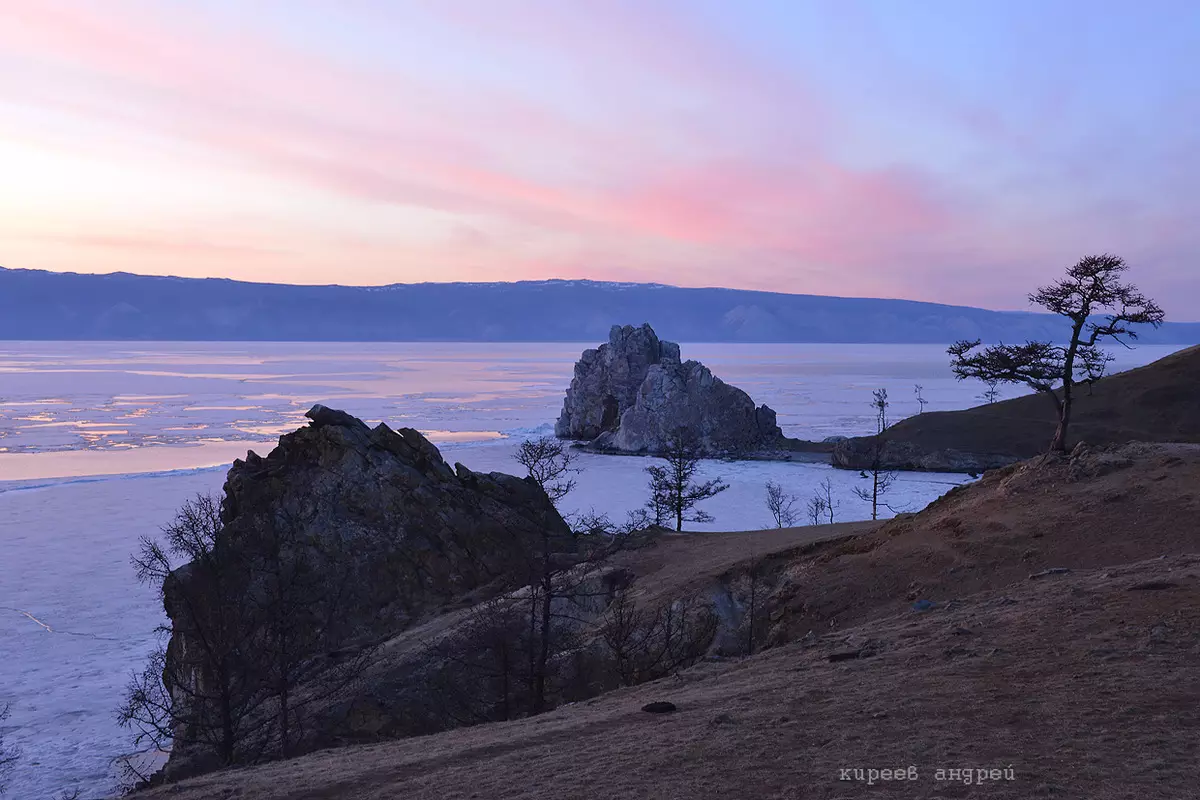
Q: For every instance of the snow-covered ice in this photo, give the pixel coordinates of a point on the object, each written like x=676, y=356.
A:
x=101, y=442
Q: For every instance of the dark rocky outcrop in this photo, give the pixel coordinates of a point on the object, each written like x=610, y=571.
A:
x=1155, y=403
x=421, y=532
x=391, y=535
x=631, y=394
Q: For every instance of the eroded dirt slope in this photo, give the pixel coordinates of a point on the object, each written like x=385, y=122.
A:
x=1086, y=684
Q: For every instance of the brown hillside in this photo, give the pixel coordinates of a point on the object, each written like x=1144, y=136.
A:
x=1084, y=687
x=1155, y=403
x=1086, y=682
x=1097, y=508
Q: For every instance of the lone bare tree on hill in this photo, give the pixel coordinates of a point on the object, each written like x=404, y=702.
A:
x=1098, y=304
x=674, y=490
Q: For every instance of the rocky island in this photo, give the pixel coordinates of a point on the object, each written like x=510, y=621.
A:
x=632, y=393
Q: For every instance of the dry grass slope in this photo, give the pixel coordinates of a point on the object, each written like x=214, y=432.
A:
x=1086, y=682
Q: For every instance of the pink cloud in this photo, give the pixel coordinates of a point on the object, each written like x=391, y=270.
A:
x=678, y=155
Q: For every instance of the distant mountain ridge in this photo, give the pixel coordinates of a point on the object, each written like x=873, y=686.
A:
x=41, y=305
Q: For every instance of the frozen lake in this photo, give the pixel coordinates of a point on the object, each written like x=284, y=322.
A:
x=101, y=442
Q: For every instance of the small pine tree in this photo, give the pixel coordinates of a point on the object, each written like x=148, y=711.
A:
x=674, y=490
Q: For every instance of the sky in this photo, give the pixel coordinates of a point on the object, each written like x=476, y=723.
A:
x=959, y=152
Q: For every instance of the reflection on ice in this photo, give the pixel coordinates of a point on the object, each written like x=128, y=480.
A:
x=127, y=459
x=462, y=436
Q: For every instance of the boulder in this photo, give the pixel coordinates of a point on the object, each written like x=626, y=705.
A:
x=632, y=394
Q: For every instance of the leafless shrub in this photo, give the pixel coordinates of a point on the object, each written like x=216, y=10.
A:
x=781, y=505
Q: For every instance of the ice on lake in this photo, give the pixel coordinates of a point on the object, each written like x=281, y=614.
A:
x=101, y=442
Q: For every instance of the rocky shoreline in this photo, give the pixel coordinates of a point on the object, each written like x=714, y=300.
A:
x=799, y=450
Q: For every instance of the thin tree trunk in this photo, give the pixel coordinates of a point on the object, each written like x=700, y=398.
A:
x=284, y=688
x=753, y=601
x=227, y=737
x=504, y=672
x=875, y=494
x=1059, y=443
x=531, y=682
x=544, y=644
x=284, y=725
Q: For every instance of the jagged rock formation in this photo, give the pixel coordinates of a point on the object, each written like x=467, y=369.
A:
x=377, y=526
x=631, y=394
x=607, y=380
x=423, y=533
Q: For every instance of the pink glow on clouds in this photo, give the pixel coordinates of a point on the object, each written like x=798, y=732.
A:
x=662, y=149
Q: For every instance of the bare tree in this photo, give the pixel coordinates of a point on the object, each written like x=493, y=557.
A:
x=8, y=753
x=208, y=694
x=815, y=510
x=483, y=676
x=921, y=401
x=649, y=643
x=674, y=490
x=991, y=393
x=881, y=479
x=752, y=609
x=550, y=463
x=822, y=506
x=252, y=619
x=301, y=587
x=781, y=504
x=1091, y=288
x=825, y=490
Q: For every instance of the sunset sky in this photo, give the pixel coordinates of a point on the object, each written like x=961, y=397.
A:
x=938, y=150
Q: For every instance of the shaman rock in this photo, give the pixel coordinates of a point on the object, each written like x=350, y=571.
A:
x=631, y=394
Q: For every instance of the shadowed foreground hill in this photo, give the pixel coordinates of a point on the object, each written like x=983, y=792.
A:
x=1060, y=637
x=1155, y=403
